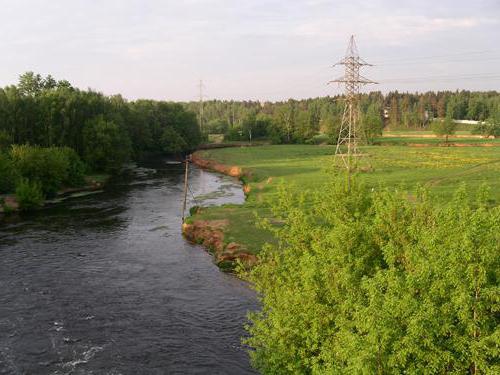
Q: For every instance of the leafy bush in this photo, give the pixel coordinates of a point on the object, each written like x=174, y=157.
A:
x=372, y=282
x=52, y=167
x=318, y=139
x=29, y=194
x=44, y=166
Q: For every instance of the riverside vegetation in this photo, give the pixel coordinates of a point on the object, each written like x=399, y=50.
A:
x=54, y=136
x=385, y=278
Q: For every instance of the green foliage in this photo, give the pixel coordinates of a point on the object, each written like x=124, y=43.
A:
x=51, y=167
x=172, y=142
x=29, y=194
x=367, y=282
x=296, y=121
x=106, y=145
x=76, y=169
x=490, y=127
x=5, y=140
x=444, y=127
x=8, y=174
x=318, y=139
x=371, y=123
x=235, y=134
x=46, y=167
x=45, y=112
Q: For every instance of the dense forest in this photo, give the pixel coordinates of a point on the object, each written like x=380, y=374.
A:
x=52, y=133
x=310, y=120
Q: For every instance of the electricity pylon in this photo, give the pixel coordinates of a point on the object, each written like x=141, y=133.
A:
x=348, y=139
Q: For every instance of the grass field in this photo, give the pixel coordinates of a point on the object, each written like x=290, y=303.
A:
x=305, y=168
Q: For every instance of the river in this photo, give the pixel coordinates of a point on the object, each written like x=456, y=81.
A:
x=106, y=284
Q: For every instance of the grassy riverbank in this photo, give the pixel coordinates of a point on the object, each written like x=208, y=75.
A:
x=302, y=168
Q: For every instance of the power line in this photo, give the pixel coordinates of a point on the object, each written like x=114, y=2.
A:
x=488, y=76
x=438, y=62
x=406, y=59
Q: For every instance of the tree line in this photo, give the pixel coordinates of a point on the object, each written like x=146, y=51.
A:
x=54, y=121
x=318, y=119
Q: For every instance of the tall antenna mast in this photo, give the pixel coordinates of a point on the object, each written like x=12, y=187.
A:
x=348, y=139
x=200, y=109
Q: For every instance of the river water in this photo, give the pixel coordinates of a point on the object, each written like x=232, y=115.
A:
x=106, y=284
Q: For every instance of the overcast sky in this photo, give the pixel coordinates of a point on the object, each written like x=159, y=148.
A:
x=250, y=49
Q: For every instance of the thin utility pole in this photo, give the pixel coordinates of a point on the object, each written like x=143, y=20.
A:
x=200, y=109
x=185, y=189
x=348, y=139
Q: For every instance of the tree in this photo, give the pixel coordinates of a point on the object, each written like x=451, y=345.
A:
x=248, y=125
x=444, y=127
x=394, y=114
x=30, y=84
x=490, y=127
x=106, y=145
x=8, y=174
x=364, y=282
x=172, y=142
x=371, y=123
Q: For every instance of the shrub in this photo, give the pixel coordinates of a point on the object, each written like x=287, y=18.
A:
x=372, y=282
x=46, y=166
x=52, y=167
x=29, y=195
x=318, y=139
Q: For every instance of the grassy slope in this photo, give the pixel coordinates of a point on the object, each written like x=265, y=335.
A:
x=305, y=167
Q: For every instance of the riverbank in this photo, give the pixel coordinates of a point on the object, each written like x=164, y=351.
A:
x=94, y=183
x=211, y=233
x=305, y=168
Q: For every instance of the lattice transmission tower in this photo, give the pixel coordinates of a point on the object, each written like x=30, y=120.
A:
x=348, y=139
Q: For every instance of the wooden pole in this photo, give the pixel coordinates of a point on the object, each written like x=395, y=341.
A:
x=185, y=189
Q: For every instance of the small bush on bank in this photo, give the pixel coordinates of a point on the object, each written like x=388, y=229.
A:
x=29, y=194
x=51, y=167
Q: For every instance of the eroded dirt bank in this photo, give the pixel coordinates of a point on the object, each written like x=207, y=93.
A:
x=210, y=233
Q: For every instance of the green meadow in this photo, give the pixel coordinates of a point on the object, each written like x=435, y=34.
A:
x=304, y=168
